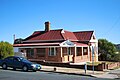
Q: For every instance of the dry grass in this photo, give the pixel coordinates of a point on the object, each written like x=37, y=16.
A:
x=95, y=63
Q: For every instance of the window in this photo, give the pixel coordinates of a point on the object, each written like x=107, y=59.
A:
x=79, y=51
x=38, y=50
x=52, y=51
x=64, y=50
x=30, y=52
x=41, y=52
x=85, y=52
x=16, y=59
x=10, y=58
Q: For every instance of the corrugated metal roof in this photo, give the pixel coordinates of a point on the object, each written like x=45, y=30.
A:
x=84, y=35
x=69, y=36
x=36, y=33
x=50, y=35
x=60, y=35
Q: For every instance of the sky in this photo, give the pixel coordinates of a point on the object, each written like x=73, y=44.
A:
x=23, y=17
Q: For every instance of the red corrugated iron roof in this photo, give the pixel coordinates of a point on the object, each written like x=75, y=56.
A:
x=50, y=35
x=36, y=33
x=59, y=35
x=69, y=36
x=84, y=35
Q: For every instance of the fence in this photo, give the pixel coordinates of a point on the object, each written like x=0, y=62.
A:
x=99, y=67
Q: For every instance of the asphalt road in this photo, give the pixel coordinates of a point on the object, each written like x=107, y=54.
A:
x=39, y=75
x=116, y=72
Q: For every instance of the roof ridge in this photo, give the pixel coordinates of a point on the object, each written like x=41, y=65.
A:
x=57, y=29
x=65, y=34
x=50, y=30
x=68, y=31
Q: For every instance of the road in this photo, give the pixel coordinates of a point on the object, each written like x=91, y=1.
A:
x=39, y=75
x=116, y=72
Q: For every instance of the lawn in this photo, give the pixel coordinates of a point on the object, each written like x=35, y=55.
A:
x=95, y=63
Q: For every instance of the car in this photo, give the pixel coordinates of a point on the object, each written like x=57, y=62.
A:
x=19, y=62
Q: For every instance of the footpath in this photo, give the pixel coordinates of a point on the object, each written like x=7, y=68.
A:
x=75, y=71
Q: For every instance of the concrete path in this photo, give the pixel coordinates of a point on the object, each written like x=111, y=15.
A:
x=106, y=75
x=99, y=74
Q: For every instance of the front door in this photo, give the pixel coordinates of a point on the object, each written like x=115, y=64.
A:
x=69, y=51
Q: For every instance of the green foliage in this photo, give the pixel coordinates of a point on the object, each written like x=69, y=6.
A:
x=106, y=50
x=116, y=57
x=6, y=49
x=117, y=47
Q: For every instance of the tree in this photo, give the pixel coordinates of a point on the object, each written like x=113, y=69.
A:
x=106, y=50
x=6, y=49
x=116, y=57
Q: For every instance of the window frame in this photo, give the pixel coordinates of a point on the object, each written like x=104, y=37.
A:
x=30, y=52
x=85, y=51
x=54, y=51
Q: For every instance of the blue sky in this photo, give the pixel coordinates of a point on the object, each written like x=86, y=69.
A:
x=23, y=17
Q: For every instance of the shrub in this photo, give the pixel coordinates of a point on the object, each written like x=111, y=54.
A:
x=6, y=49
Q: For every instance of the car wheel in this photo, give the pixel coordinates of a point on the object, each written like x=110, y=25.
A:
x=4, y=66
x=25, y=68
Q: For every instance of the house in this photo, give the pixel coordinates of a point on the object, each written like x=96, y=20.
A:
x=60, y=46
x=117, y=46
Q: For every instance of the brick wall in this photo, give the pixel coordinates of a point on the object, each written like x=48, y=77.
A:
x=82, y=59
x=113, y=65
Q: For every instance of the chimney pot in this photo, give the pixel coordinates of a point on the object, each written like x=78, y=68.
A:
x=47, y=26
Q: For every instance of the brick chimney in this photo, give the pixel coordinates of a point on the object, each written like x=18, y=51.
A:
x=47, y=26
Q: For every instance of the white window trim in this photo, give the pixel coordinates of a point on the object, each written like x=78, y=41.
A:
x=54, y=51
